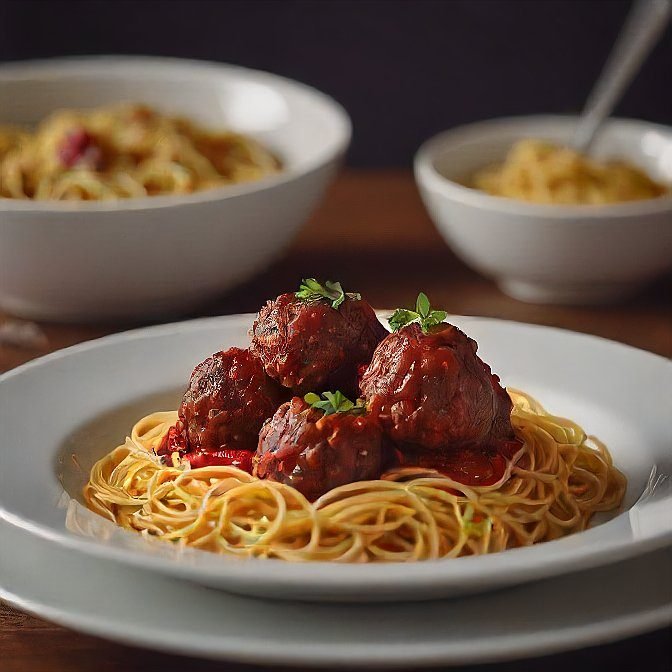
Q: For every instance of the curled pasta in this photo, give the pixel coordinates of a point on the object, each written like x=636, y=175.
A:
x=559, y=479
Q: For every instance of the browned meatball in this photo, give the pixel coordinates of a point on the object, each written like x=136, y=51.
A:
x=228, y=398
x=432, y=390
x=309, y=345
x=313, y=452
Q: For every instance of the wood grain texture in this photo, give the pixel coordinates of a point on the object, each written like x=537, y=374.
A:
x=373, y=234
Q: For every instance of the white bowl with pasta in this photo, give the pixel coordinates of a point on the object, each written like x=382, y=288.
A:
x=550, y=253
x=146, y=257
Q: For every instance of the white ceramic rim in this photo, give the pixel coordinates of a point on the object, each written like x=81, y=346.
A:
x=522, y=563
x=18, y=70
x=429, y=177
x=401, y=652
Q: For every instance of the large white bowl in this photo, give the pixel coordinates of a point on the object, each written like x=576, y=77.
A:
x=550, y=253
x=149, y=257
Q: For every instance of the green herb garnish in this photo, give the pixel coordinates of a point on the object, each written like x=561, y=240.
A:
x=334, y=402
x=475, y=524
x=423, y=314
x=312, y=290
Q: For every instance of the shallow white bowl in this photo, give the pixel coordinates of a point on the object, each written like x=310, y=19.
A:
x=550, y=253
x=81, y=402
x=149, y=257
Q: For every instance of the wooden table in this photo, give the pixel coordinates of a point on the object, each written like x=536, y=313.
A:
x=372, y=234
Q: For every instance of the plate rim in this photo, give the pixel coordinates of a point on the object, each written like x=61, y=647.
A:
x=215, y=567
x=517, y=646
x=574, y=638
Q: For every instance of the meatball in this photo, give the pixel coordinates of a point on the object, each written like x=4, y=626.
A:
x=228, y=398
x=309, y=345
x=432, y=390
x=313, y=452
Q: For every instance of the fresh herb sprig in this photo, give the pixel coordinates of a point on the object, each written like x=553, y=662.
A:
x=312, y=290
x=423, y=314
x=335, y=402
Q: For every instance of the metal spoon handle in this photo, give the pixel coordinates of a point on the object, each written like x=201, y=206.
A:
x=642, y=29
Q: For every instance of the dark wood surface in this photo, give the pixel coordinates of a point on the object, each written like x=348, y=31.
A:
x=373, y=234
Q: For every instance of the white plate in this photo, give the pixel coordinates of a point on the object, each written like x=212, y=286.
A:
x=138, y=607
x=48, y=409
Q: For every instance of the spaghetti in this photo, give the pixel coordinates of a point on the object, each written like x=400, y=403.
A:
x=123, y=151
x=551, y=488
x=541, y=172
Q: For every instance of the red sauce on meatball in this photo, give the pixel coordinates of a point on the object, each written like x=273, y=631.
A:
x=313, y=452
x=432, y=402
x=432, y=390
x=228, y=399
x=309, y=345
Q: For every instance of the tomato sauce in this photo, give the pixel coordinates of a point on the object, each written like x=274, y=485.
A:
x=470, y=465
x=175, y=441
x=241, y=459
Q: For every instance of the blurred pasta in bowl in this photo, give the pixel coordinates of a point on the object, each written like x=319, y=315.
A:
x=141, y=187
x=546, y=223
x=124, y=151
x=543, y=172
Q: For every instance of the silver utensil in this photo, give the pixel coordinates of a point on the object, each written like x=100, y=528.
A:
x=643, y=28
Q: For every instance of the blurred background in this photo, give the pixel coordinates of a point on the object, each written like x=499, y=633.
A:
x=404, y=70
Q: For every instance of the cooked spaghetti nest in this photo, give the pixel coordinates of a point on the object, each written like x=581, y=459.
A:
x=134, y=151
x=551, y=489
x=542, y=172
